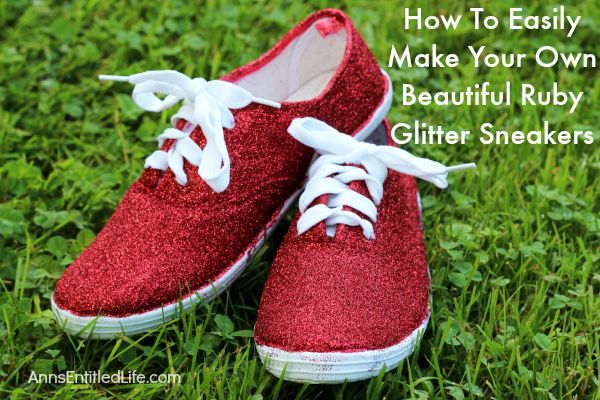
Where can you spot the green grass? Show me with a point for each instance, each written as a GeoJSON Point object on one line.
{"type": "Point", "coordinates": [513, 247]}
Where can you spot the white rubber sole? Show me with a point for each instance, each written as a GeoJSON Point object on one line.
{"type": "Point", "coordinates": [106, 327]}
{"type": "Point", "coordinates": [338, 367]}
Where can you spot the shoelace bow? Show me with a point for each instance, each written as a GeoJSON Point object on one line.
{"type": "Point", "coordinates": [330, 174]}
{"type": "Point", "coordinates": [205, 104]}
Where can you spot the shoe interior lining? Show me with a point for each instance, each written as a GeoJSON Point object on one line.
{"type": "Point", "coordinates": [302, 70]}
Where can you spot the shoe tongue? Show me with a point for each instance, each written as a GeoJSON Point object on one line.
{"type": "Point", "coordinates": [196, 135]}
{"type": "Point", "coordinates": [328, 26]}
{"type": "Point", "coordinates": [151, 177]}
{"type": "Point", "coordinates": [356, 186]}
{"type": "Point", "coordinates": [359, 187]}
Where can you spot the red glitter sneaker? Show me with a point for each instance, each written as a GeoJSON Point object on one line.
{"type": "Point", "coordinates": [225, 174]}
{"type": "Point", "coordinates": [348, 291]}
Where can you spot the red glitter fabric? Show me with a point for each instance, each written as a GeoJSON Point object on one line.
{"type": "Point", "coordinates": [165, 241]}
{"type": "Point", "coordinates": [348, 293]}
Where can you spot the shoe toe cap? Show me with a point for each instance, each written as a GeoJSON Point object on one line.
{"type": "Point", "coordinates": [145, 257]}
{"type": "Point", "coordinates": [316, 302]}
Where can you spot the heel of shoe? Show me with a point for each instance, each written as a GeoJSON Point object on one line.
{"type": "Point", "coordinates": [377, 117]}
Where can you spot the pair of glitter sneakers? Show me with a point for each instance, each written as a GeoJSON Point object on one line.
{"type": "Point", "coordinates": [348, 290]}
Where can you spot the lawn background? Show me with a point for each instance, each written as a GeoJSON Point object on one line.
{"type": "Point", "coordinates": [513, 246]}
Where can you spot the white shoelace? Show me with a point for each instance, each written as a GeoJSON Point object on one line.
{"type": "Point", "coordinates": [331, 173]}
{"type": "Point", "coordinates": [205, 104]}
